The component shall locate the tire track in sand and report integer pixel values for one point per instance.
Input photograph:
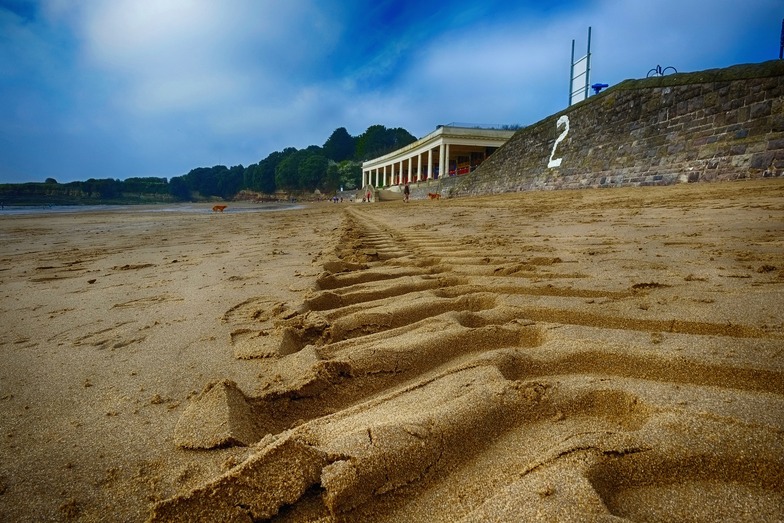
(441, 379)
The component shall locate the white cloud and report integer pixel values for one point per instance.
(174, 55)
(168, 85)
(633, 37)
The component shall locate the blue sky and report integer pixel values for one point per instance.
(122, 88)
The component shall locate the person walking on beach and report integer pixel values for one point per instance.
(406, 193)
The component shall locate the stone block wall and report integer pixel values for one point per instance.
(445, 187)
(721, 124)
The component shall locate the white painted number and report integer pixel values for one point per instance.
(563, 120)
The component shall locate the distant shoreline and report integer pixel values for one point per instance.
(236, 207)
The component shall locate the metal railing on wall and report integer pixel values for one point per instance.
(580, 72)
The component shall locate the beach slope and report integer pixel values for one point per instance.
(556, 356)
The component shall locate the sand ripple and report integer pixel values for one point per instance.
(538, 370)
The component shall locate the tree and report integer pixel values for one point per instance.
(287, 172)
(266, 170)
(370, 141)
(400, 137)
(312, 170)
(201, 180)
(266, 176)
(212, 181)
(146, 185)
(218, 180)
(377, 140)
(106, 188)
(340, 145)
(261, 177)
(229, 182)
(350, 174)
(332, 179)
(178, 188)
(250, 177)
(301, 170)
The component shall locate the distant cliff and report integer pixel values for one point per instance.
(720, 124)
(106, 191)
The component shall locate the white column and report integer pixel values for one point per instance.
(430, 164)
(447, 160)
(441, 151)
(419, 167)
(384, 175)
(364, 173)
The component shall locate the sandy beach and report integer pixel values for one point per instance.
(596, 355)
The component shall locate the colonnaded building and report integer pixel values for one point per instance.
(460, 148)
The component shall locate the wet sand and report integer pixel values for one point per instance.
(597, 355)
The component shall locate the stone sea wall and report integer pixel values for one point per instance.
(721, 124)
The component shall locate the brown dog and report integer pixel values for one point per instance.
(434, 195)
(218, 208)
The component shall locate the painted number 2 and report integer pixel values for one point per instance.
(563, 120)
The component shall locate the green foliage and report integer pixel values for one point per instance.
(340, 145)
(179, 189)
(371, 140)
(210, 182)
(108, 190)
(266, 175)
(287, 171)
(250, 177)
(350, 175)
(261, 177)
(337, 164)
(150, 185)
(201, 180)
(312, 171)
(332, 180)
(346, 174)
(303, 170)
(377, 140)
(231, 182)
